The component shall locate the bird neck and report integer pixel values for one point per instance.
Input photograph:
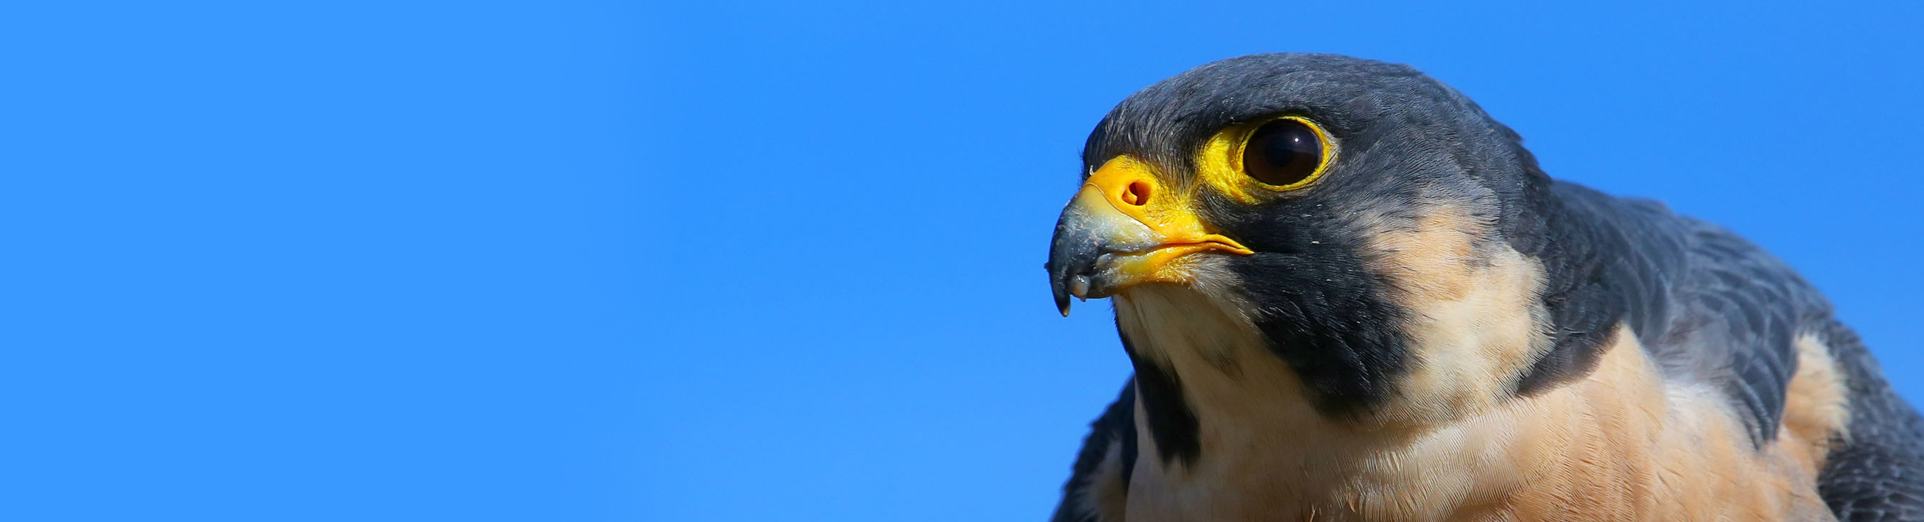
(1205, 377)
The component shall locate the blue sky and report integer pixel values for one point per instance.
(729, 262)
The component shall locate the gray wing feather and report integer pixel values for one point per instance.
(1710, 306)
(1878, 473)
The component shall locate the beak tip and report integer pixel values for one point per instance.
(1058, 288)
(1077, 287)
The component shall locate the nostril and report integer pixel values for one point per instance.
(1137, 194)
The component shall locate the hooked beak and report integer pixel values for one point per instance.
(1122, 229)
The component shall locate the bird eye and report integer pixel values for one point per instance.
(1285, 153)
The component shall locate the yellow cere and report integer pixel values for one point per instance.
(1124, 179)
(1132, 188)
(1221, 161)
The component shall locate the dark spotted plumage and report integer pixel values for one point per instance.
(1706, 305)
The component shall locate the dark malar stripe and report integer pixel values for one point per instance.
(1172, 424)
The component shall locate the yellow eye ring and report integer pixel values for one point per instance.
(1276, 154)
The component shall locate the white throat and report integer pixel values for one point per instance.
(1240, 391)
(1256, 426)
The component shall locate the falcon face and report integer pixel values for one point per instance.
(1314, 196)
(1351, 294)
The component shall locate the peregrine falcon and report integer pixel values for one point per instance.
(1350, 294)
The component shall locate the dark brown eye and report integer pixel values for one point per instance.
(1283, 152)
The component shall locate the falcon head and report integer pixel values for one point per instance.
(1377, 231)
